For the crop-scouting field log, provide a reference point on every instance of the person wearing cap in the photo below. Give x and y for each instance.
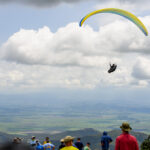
(105, 141)
(68, 140)
(126, 141)
(62, 144)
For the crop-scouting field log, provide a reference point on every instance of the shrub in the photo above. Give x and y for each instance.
(146, 144)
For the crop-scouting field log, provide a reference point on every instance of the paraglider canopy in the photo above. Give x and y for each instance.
(120, 12)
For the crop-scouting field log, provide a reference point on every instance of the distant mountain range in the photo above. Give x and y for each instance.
(86, 135)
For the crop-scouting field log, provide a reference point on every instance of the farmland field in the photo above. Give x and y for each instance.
(24, 119)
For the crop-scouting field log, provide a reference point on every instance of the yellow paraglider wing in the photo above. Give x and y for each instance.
(120, 12)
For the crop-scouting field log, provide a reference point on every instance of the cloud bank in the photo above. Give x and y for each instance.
(75, 46)
(76, 57)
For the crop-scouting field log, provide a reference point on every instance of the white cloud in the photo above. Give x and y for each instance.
(75, 56)
(27, 46)
(75, 46)
(137, 7)
(141, 69)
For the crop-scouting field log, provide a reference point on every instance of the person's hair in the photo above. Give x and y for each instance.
(17, 140)
(78, 138)
(125, 131)
(14, 146)
(88, 143)
(47, 138)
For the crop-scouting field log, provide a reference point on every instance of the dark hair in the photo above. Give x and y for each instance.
(88, 143)
(17, 140)
(78, 138)
(14, 146)
(125, 131)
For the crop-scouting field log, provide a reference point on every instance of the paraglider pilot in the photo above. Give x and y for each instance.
(112, 68)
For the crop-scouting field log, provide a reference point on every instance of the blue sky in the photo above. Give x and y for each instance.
(15, 16)
(43, 47)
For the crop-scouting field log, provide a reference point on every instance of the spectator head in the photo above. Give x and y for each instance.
(78, 139)
(47, 139)
(62, 140)
(88, 144)
(37, 142)
(104, 133)
(14, 146)
(17, 140)
(33, 138)
(125, 127)
(68, 140)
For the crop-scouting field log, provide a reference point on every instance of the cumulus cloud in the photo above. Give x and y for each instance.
(75, 46)
(75, 56)
(141, 69)
(137, 7)
(69, 46)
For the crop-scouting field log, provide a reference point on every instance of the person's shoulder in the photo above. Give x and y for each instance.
(63, 148)
(45, 144)
(50, 144)
(119, 137)
(74, 148)
(70, 148)
(108, 136)
(133, 137)
(80, 142)
(86, 148)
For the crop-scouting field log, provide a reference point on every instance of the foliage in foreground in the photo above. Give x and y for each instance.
(146, 144)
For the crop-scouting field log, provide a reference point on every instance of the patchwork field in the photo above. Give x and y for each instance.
(26, 119)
